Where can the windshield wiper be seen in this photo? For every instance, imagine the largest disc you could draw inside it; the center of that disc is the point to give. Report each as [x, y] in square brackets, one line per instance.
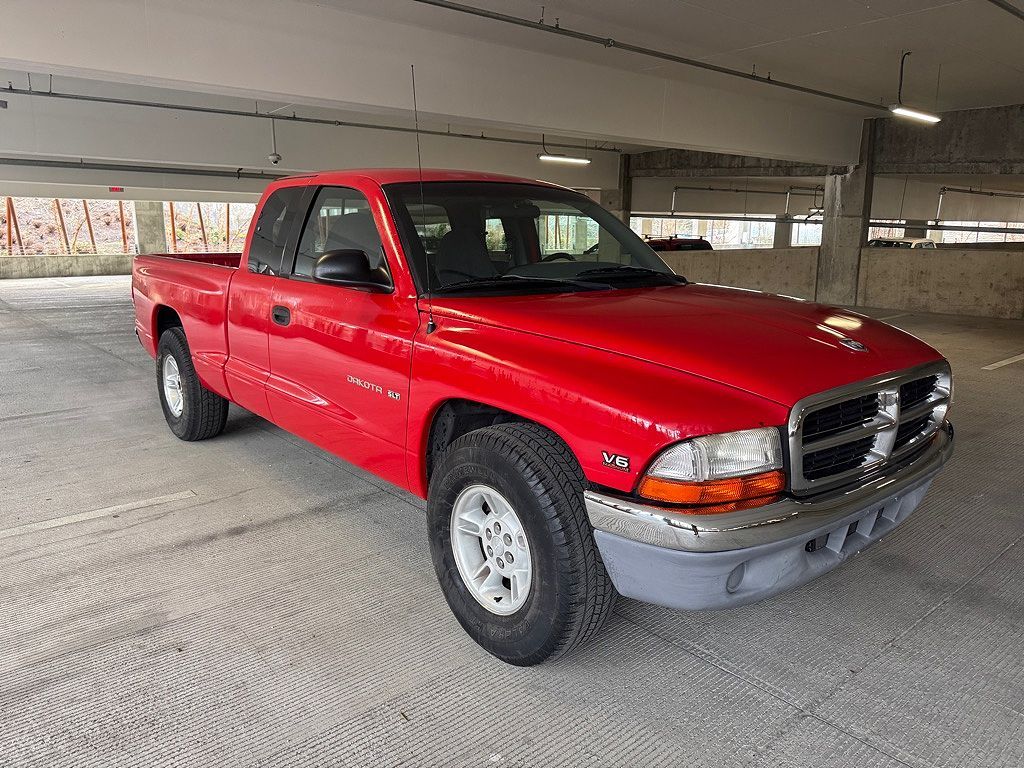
[627, 270]
[523, 281]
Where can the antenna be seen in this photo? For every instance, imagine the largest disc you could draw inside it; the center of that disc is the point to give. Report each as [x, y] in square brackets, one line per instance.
[431, 325]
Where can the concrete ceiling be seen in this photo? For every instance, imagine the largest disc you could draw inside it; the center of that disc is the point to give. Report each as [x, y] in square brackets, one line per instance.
[966, 53]
[354, 55]
[40, 81]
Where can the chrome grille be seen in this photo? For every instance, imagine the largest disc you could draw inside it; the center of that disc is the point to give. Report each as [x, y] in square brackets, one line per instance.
[857, 430]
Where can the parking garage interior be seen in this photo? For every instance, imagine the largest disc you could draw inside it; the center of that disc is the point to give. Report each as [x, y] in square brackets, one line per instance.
[255, 600]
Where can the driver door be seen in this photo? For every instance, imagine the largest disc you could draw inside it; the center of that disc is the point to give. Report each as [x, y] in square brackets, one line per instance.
[340, 357]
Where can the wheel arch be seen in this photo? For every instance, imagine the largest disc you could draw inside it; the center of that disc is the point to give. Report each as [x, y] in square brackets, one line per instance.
[454, 417]
[165, 317]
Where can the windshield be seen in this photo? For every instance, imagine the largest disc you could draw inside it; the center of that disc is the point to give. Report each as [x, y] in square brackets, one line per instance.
[498, 237]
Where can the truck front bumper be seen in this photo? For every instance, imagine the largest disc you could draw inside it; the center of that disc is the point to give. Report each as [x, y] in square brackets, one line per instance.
[677, 560]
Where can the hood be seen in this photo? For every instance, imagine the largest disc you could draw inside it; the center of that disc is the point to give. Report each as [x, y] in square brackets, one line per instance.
[771, 346]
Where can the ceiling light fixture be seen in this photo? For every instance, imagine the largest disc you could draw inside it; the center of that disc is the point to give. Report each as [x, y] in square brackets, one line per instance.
[914, 114]
[555, 157]
[549, 158]
[902, 111]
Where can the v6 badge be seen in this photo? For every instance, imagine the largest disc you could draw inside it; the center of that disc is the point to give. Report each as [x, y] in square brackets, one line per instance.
[615, 461]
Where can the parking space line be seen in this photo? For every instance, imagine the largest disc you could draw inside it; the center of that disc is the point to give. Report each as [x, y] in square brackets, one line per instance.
[893, 317]
[1001, 363]
[57, 522]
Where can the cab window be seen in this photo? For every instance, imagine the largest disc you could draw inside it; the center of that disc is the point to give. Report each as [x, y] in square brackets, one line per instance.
[274, 225]
[340, 220]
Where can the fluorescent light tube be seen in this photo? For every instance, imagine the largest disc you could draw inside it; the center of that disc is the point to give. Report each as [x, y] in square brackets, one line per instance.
[914, 114]
[563, 159]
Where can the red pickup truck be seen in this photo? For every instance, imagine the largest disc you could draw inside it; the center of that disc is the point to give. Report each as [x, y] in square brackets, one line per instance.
[582, 421]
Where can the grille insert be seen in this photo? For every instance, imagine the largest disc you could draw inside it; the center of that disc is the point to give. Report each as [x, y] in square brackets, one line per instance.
[916, 392]
[845, 415]
[841, 458]
[911, 429]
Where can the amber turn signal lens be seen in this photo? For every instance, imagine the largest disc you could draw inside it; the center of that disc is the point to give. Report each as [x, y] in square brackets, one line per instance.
[720, 492]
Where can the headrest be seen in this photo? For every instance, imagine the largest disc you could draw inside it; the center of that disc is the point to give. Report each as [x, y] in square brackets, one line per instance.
[354, 230]
[462, 254]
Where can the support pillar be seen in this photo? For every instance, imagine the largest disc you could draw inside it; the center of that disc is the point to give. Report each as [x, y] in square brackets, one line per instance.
[625, 187]
[845, 226]
[783, 234]
[149, 226]
[916, 228]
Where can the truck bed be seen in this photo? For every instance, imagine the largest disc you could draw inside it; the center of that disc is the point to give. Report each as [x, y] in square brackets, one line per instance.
[196, 285]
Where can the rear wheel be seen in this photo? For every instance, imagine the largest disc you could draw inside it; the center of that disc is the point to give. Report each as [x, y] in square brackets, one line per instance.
[192, 411]
[512, 546]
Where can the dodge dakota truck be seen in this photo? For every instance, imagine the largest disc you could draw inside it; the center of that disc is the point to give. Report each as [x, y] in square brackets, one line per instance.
[581, 421]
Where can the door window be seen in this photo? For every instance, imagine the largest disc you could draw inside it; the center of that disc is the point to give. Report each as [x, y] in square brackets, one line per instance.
[340, 219]
[277, 217]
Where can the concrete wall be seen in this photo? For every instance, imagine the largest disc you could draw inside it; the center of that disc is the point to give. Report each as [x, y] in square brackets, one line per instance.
[893, 197]
[961, 282]
[653, 193]
[980, 282]
[897, 197]
[789, 271]
[64, 266]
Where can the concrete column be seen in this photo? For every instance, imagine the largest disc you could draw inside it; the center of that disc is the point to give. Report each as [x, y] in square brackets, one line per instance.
[149, 226]
[845, 226]
[625, 197]
[612, 200]
[916, 228]
[783, 234]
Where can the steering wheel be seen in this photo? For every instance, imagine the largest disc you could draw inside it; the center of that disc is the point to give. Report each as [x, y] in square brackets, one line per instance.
[559, 255]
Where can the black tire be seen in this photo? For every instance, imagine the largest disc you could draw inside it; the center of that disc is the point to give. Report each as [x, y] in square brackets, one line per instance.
[571, 594]
[204, 413]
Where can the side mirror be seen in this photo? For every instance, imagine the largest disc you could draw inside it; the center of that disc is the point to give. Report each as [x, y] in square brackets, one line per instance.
[351, 268]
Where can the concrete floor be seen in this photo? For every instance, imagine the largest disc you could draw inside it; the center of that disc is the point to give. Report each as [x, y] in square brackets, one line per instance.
[252, 601]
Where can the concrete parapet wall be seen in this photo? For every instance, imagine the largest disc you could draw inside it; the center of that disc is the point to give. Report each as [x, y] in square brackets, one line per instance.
[981, 282]
[953, 282]
[789, 271]
[65, 266]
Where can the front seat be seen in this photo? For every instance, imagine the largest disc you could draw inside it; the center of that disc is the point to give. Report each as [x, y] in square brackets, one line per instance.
[356, 231]
[462, 255]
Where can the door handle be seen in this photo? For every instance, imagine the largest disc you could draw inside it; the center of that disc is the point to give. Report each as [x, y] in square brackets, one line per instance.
[281, 315]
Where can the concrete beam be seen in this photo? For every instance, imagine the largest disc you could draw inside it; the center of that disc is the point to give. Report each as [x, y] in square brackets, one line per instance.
[973, 141]
[56, 129]
[315, 54]
[685, 163]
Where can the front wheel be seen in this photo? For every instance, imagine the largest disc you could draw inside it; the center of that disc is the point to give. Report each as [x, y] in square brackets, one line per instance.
[512, 546]
[192, 411]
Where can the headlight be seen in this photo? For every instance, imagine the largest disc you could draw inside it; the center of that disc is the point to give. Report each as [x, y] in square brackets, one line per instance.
[732, 471]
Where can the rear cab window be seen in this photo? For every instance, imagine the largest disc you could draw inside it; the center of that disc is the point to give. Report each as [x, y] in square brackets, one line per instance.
[273, 228]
